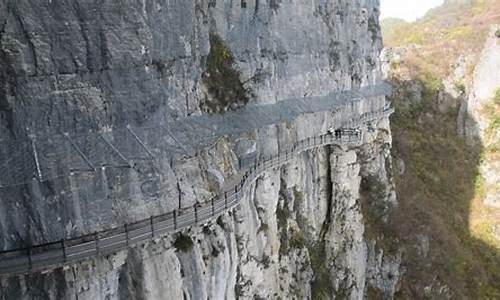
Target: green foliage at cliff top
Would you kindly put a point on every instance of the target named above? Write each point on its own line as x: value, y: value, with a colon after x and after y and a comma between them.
x: 445, y: 24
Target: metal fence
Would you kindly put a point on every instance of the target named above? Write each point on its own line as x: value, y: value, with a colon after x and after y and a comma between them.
x: 40, y: 257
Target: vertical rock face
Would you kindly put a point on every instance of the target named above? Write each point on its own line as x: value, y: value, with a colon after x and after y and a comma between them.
x: 70, y: 64
x: 479, y: 118
x: 486, y: 80
x: 299, y: 231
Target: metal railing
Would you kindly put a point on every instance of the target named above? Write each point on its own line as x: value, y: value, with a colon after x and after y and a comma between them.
x: 40, y: 257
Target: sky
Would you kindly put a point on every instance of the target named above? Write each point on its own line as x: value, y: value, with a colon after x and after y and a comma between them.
x: 410, y: 10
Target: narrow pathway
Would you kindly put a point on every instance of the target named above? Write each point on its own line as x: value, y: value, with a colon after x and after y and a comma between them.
x: 51, y: 255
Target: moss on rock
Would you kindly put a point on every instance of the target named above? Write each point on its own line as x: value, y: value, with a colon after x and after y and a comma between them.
x: 225, y: 88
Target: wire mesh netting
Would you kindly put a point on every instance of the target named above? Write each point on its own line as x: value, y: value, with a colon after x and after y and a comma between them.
x: 48, y: 157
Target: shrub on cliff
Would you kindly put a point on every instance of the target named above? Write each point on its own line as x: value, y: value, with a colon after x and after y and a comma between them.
x: 227, y: 91
x: 183, y: 243
x: 496, y: 97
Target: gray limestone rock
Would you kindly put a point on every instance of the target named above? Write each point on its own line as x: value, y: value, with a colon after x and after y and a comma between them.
x: 71, y: 66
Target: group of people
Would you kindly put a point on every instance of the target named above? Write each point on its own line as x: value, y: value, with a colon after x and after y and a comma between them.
x: 339, y: 132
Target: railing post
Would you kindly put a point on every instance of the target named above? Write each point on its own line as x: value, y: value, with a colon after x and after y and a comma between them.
x: 125, y: 226
x: 225, y: 200
x: 213, y: 207
x: 175, y: 219
x: 152, y: 227
x: 63, y: 246
x: 96, y: 238
x: 195, y: 213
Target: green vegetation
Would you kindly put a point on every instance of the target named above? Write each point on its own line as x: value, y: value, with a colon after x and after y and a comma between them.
x: 298, y: 196
x: 373, y: 28
x: 183, y: 243
x: 394, y: 29
x: 282, y: 215
x: 222, y: 80
x: 460, y: 88
x: 440, y: 193
x: 460, y: 33
x: 484, y: 219
x: 435, y: 196
x: 297, y: 240
x: 294, y: 239
x: 375, y: 209
x: 496, y: 97
x: 321, y: 287
x: 390, y: 26
x: 263, y: 227
x: 443, y: 35
x: 491, y: 112
x: 495, y: 122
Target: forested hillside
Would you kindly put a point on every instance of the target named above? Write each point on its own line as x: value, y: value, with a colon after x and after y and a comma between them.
x: 449, y: 232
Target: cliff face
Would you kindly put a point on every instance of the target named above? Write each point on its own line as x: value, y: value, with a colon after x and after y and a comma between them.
x: 71, y: 66
x: 479, y: 116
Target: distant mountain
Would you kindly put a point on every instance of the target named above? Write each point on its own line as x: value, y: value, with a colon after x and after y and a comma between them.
x: 448, y: 30
x: 390, y: 25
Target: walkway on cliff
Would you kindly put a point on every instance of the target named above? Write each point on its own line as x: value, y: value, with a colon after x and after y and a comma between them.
x: 51, y: 255
x: 44, y: 158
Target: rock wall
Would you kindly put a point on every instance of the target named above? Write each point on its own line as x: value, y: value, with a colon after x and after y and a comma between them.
x: 299, y: 232
x: 485, y: 81
x: 478, y: 114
